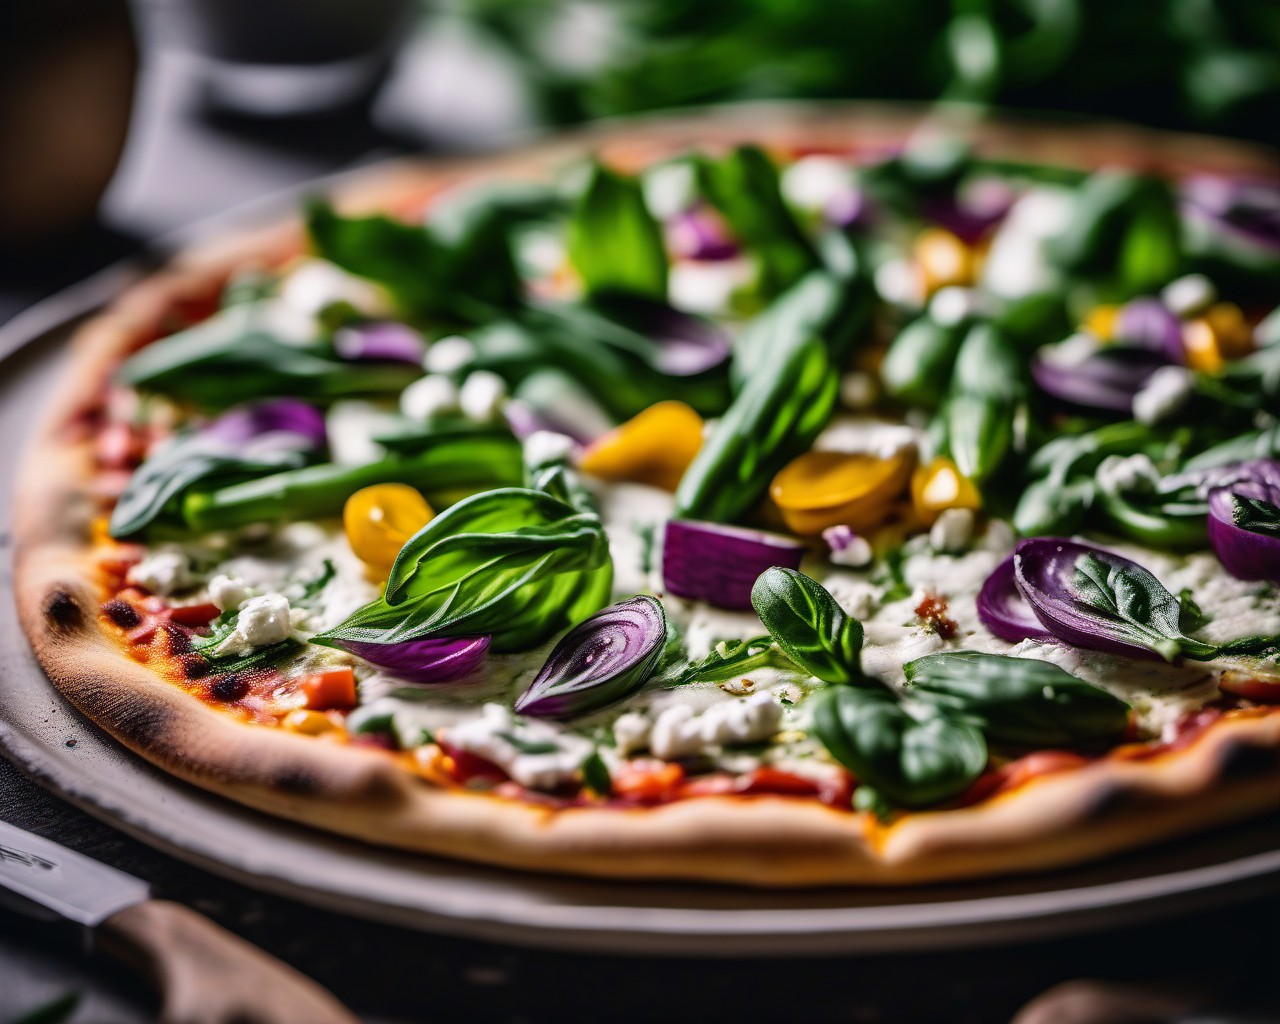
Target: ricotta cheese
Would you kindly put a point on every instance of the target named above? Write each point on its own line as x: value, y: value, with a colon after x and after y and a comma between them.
x: 261, y: 621
x: 1163, y: 395
x: 227, y: 593
x: 163, y: 572
x: 534, y: 753
x: 429, y: 396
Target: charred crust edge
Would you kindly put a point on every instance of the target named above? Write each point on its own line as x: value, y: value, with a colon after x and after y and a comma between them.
x: 62, y: 611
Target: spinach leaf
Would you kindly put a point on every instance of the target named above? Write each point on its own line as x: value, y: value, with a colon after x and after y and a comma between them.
x: 744, y: 186
x: 1255, y: 515
x: 915, y: 755
x: 615, y: 243
x: 1017, y: 700
x: 810, y: 627
x: 774, y: 418
x: 595, y: 775
x: 1134, y: 605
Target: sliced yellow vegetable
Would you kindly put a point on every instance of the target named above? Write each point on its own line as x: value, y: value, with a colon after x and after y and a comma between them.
x: 943, y: 259
x: 654, y: 447
x: 379, y: 519
x: 820, y: 489
x: 1219, y: 336
x: 939, y: 486
x: 1101, y: 321
x: 309, y: 723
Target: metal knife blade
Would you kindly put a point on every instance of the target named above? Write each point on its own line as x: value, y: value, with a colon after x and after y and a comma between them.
x: 50, y: 878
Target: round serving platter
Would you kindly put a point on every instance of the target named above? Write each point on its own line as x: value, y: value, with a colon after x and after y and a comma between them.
x: 53, y: 743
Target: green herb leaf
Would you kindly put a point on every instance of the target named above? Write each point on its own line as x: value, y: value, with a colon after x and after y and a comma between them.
x: 810, y: 627
x: 595, y: 775
x: 1017, y: 700
x: 914, y: 755
x: 1255, y: 515
x: 728, y: 659
x: 1137, y: 606
x: 744, y: 186
x: 1190, y: 615
x: 615, y: 243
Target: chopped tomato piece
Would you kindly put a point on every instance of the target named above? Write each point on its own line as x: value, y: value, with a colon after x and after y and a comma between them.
x: 1019, y: 772
x: 647, y: 781
x: 332, y: 689
x: 193, y: 614
x: 464, y: 766
x: 1263, y: 689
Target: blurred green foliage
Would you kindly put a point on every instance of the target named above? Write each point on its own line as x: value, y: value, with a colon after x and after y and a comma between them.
x: 1198, y: 64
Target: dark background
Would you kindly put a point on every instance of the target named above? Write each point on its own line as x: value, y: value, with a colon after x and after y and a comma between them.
x: 478, y: 73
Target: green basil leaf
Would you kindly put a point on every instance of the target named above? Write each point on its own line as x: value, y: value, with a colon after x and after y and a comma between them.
x: 917, y: 365
x: 1263, y: 443
x: 1190, y: 615
x: 728, y: 659
x: 1255, y: 515
x: 913, y: 755
x: 1139, y: 608
x: 595, y: 775
x: 774, y: 418
x: 1017, y: 700
x: 810, y: 627
x: 743, y: 185
x: 156, y: 487
x: 615, y: 243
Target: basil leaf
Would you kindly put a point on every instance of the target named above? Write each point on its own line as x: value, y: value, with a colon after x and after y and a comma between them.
x: 595, y: 775
x: 615, y: 243
x: 913, y: 755
x: 807, y: 623
x: 222, y: 627
x: 1017, y: 700
x: 1190, y: 615
x: 1263, y: 443
x: 1255, y: 515
x: 773, y: 419
x: 236, y: 355
x: 156, y: 487
x: 744, y: 186
x: 1141, y: 610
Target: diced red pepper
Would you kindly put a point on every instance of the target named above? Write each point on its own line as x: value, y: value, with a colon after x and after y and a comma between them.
x: 1252, y: 687
x: 647, y: 781
x: 464, y: 766
x: 193, y: 614
x: 333, y: 689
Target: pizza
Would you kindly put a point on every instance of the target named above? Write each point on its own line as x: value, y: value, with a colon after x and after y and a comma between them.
x: 771, y: 497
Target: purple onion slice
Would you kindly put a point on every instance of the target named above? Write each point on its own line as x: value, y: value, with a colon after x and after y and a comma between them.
x: 283, y: 416
x: 435, y: 660
x: 719, y: 564
x: 1004, y: 610
x: 1244, y: 522
x: 1104, y: 382
x: 1247, y: 210
x: 385, y: 341
x: 686, y: 345
x: 699, y: 234
x: 599, y: 661
x: 1130, y: 614
x: 1148, y: 323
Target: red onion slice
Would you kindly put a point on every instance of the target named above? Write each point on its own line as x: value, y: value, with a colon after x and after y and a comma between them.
x: 1004, y: 610
x: 385, y: 341
x: 699, y: 234
x: 1247, y: 540
x: 1148, y: 323
x: 719, y: 564
x: 284, y: 416
x: 599, y: 661
x: 1105, y: 382
x: 433, y: 660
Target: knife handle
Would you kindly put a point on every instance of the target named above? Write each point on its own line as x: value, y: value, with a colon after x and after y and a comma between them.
x: 206, y: 975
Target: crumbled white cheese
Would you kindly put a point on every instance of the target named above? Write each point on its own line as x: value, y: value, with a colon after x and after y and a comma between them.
x: 227, y: 593
x: 858, y: 390
x: 676, y: 733
x: 1072, y: 350
x: 1018, y: 262
x: 313, y: 284
x: 432, y: 395
x: 814, y: 182
x: 846, y: 547
x: 449, y: 354
x: 1121, y: 474
x: 482, y: 396
x: 534, y: 753
x: 952, y: 530
x: 631, y: 732
x: 670, y: 189
x: 1186, y: 296
x: 350, y: 425
x: 899, y: 283
x: 162, y: 572
x: 1163, y: 395
x: 261, y: 621
x: 735, y: 722
x: 953, y: 305
x: 544, y: 447
x: 708, y: 286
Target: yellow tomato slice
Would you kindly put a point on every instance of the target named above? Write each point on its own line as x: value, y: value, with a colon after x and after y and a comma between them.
x: 654, y: 447
x: 820, y: 489
x: 379, y: 519
x: 939, y: 486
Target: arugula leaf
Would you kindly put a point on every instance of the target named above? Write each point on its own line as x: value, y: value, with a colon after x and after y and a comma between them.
x: 744, y: 186
x: 615, y: 243
x: 156, y: 487
x: 810, y: 627
x: 1017, y: 700
x: 915, y: 755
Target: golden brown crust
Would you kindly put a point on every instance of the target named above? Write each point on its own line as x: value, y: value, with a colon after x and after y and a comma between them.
x: 1232, y: 771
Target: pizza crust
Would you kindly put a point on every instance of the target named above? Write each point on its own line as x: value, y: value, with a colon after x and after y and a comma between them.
x: 1229, y: 773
